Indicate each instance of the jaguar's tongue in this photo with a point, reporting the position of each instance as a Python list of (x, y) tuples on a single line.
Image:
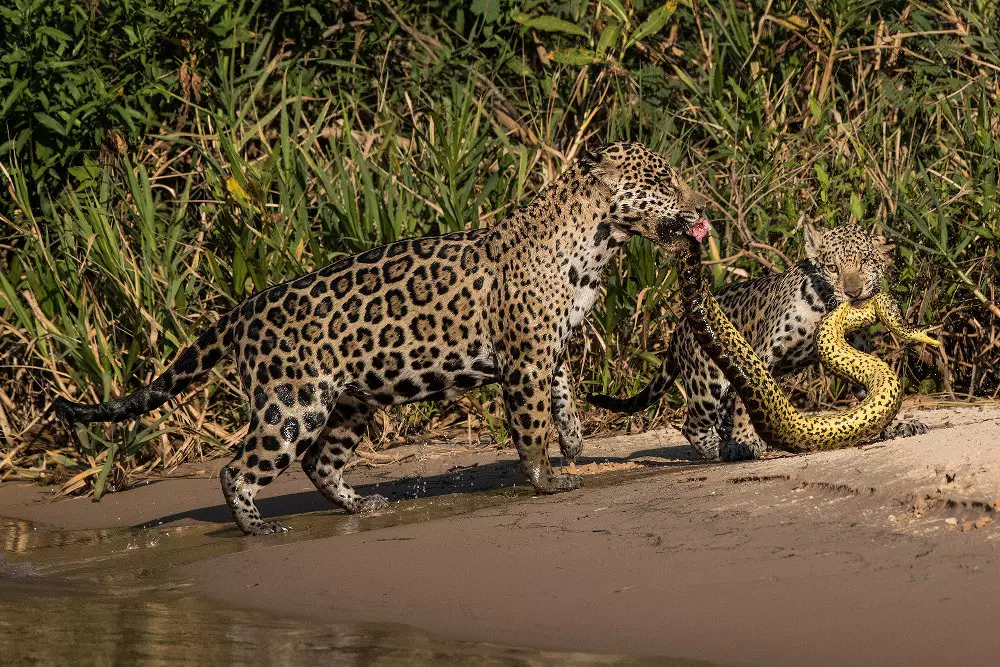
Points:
[(700, 229)]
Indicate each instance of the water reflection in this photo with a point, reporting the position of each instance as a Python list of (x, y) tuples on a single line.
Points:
[(123, 555), (107, 597), (66, 624)]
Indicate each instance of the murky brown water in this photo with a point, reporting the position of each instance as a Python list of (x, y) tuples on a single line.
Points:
[(107, 596), (43, 622)]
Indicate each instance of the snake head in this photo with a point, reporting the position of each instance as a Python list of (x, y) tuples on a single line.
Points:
[(923, 335)]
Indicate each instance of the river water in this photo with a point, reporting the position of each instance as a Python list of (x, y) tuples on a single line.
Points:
[(110, 597)]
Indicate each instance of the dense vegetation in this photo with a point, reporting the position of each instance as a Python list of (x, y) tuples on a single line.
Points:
[(165, 158)]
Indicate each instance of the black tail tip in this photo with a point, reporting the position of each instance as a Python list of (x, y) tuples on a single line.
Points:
[(612, 403), (600, 400)]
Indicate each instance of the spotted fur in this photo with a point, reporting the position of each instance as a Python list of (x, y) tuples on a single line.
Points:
[(772, 415), (425, 319), (779, 316)]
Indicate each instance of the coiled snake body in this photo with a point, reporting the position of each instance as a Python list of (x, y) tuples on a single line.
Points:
[(777, 422)]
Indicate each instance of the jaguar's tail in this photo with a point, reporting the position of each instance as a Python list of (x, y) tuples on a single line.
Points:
[(650, 394), (192, 364)]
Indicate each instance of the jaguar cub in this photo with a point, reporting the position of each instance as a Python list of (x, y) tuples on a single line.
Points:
[(778, 315), (425, 319)]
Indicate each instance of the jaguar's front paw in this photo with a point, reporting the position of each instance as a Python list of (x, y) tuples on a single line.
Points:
[(545, 481), (266, 528), (739, 450), (558, 483)]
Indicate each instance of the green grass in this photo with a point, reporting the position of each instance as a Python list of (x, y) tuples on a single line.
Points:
[(165, 159)]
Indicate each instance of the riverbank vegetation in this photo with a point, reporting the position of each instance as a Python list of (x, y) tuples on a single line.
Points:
[(162, 160)]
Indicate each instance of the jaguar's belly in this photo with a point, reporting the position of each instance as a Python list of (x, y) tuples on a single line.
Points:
[(428, 375)]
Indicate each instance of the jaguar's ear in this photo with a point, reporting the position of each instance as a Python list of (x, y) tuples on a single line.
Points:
[(812, 238), (600, 164), (884, 248)]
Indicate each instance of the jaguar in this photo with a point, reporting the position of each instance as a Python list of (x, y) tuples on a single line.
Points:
[(779, 316), (426, 319)]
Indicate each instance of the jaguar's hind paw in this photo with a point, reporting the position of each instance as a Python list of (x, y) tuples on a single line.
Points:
[(374, 504), (267, 528), (903, 428)]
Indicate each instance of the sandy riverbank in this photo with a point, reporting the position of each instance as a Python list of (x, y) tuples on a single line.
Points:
[(884, 554)]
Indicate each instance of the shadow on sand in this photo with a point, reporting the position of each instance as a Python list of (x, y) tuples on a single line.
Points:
[(463, 479)]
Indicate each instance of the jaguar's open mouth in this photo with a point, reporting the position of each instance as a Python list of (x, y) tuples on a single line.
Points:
[(699, 230)]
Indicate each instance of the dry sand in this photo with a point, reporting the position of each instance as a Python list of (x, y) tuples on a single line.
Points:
[(883, 554)]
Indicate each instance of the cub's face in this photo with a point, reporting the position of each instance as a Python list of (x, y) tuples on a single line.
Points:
[(648, 196), (850, 260)]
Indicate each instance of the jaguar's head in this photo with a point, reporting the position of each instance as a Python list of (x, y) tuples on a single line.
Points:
[(648, 196), (849, 259)]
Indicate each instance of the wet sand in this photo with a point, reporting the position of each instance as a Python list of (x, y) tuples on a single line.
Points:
[(883, 554)]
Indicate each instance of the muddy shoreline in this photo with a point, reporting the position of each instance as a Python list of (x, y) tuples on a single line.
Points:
[(886, 553)]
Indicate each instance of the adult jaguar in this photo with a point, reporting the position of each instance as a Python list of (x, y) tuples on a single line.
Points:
[(424, 319), (779, 315)]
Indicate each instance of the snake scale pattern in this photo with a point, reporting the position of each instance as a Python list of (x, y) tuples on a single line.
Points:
[(773, 416)]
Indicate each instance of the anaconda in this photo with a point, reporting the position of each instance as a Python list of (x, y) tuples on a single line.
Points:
[(773, 416)]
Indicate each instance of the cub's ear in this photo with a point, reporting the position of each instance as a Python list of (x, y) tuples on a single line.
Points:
[(884, 248), (813, 241)]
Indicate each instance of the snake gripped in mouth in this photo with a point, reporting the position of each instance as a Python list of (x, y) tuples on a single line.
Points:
[(774, 417)]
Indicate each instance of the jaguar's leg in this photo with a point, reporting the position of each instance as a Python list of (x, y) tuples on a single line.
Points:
[(701, 424), (742, 442), (284, 425), (527, 391), (564, 414), (324, 461)]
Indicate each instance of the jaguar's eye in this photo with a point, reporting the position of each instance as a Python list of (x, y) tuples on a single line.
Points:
[(833, 268)]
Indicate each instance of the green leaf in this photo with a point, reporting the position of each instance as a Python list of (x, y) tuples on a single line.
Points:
[(550, 24), (102, 477), (49, 122), (55, 34), (85, 174), (239, 271), (856, 209), (616, 8), (316, 16), (654, 22), (814, 107), (25, 318), (488, 9), (688, 81), (517, 65), (609, 36), (574, 56), (821, 174), (15, 93)]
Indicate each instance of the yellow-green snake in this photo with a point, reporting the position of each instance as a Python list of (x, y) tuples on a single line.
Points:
[(777, 422)]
